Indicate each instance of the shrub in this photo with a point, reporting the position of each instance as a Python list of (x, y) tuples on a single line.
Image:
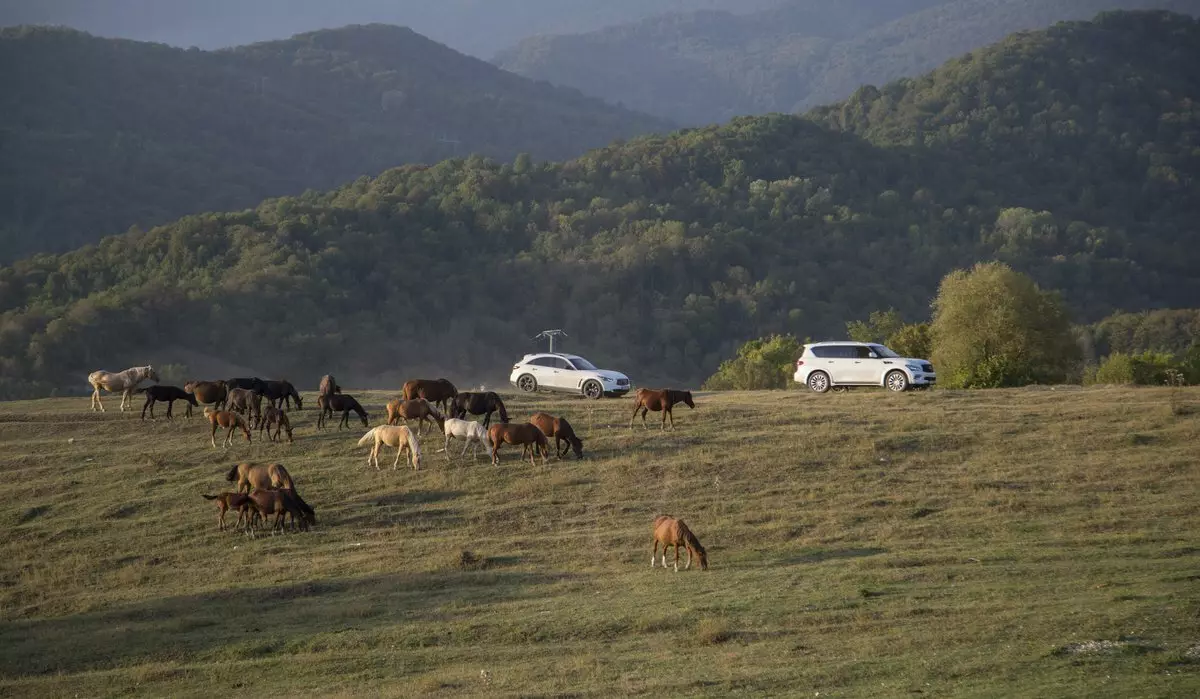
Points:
[(760, 364)]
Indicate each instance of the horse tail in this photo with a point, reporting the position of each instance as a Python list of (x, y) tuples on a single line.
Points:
[(233, 474), (368, 436), (209, 497)]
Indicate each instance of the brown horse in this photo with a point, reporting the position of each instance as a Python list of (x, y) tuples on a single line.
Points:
[(245, 401), (674, 532), (341, 403), (281, 394), (280, 503), (274, 417), (662, 399), (560, 430), (439, 391), (208, 392), (509, 433), (328, 386), (417, 409), (230, 501), (261, 476), (226, 419)]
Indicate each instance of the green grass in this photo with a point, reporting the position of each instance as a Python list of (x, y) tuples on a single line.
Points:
[(1027, 543)]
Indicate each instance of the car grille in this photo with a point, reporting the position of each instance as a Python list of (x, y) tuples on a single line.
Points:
[(927, 368), (622, 382)]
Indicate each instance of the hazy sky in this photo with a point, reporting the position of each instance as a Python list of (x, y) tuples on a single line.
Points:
[(477, 27)]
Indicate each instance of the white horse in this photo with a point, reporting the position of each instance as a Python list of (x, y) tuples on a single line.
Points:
[(397, 436), (124, 381), (467, 430)]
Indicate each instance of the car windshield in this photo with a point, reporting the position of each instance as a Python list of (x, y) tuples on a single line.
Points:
[(583, 364), (884, 352)]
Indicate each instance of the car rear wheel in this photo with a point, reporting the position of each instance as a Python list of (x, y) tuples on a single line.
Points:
[(527, 383), (896, 381), (593, 390), (818, 381)]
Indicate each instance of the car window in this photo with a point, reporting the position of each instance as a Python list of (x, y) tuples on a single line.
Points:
[(822, 352), (884, 352), (542, 361), (560, 363), (862, 352), (583, 364)]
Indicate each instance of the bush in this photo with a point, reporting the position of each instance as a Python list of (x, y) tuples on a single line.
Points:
[(1116, 368), (765, 363), (1145, 369)]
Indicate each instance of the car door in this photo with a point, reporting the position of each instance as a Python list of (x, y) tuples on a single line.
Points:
[(831, 359), (866, 367), (565, 375), (542, 370)]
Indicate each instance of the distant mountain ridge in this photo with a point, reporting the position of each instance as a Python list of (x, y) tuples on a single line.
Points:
[(101, 134), (706, 67)]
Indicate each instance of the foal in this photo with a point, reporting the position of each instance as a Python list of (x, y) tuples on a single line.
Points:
[(230, 501), (230, 420), (274, 417), (673, 532), (663, 399)]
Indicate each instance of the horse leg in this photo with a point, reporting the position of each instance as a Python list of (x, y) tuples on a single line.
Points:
[(676, 558), (636, 408), (644, 411), (689, 561), (666, 412), (170, 410), (96, 402), (374, 456), (654, 552), (495, 453), (148, 404), (213, 436), (396, 463)]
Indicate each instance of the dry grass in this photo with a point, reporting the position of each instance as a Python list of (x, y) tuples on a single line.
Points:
[(941, 544)]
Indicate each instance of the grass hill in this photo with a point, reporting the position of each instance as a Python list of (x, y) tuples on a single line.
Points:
[(705, 67), (966, 544), (101, 134), (662, 254)]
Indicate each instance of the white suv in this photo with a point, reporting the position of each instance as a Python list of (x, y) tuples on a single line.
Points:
[(569, 373), (825, 365)]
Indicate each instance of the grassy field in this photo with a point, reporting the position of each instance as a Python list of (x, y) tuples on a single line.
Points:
[(1028, 543)]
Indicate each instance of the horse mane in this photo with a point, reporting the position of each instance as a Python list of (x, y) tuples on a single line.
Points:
[(416, 449), (691, 539)]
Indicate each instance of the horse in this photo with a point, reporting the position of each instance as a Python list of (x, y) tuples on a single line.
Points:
[(274, 417), (328, 386), (466, 430), (342, 403), (674, 532), (123, 381), (280, 503), (281, 394), (438, 391), (208, 392), (561, 430), (417, 409), (267, 477), (246, 401), (230, 501), (663, 399), (167, 394), (225, 418), (504, 433), (478, 404), (398, 436), (254, 384)]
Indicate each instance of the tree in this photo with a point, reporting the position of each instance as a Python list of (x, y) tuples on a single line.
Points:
[(994, 327), (878, 327), (911, 340), (763, 363)]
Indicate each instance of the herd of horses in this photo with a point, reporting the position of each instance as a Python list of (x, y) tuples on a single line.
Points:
[(268, 490)]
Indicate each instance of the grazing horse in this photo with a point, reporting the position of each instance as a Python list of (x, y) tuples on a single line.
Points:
[(674, 532), (274, 417), (398, 436), (262, 476), (226, 419), (208, 392), (417, 409), (123, 381), (504, 433), (230, 501), (438, 391), (328, 386), (466, 430), (342, 403), (561, 430), (245, 401), (280, 503), (663, 399), (253, 384), (167, 394), (478, 404), (281, 394)]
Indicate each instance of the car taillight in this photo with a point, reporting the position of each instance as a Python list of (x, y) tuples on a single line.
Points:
[(799, 363)]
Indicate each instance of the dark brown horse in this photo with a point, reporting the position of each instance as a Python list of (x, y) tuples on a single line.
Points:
[(230, 501), (252, 384), (211, 393), (274, 417), (281, 394), (339, 403), (560, 430), (267, 477), (417, 409), (662, 399), (328, 386), (280, 503), (478, 404), (168, 394), (245, 401), (674, 532), (507, 433), (439, 391), (229, 420)]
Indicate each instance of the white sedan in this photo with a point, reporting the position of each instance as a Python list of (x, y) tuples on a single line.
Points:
[(568, 373)]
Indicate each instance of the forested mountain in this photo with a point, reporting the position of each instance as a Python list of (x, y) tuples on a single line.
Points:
[(97, 134), (705, 67), (474, 27), (1073, 154)]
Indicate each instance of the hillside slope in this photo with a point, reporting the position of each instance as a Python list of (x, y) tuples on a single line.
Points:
[(699, 68), (661, 254), (100, 134)]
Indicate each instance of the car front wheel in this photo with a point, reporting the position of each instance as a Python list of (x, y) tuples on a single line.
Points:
[(527, 383), (593, 390), (896, 381), (818, 381)]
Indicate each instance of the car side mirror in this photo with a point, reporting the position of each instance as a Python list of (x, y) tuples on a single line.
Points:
[(872, 355)]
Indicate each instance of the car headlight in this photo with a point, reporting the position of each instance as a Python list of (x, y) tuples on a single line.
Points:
[(914, 367), (609, 379)]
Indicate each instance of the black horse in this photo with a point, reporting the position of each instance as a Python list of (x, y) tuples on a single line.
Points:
[(341, 403), (281, 393), (255, 384), (478, 404), (168, 394)]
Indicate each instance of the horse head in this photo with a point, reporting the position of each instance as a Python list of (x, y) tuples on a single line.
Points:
[(686, 397), (577, 445), (703, 556), (151, 374)]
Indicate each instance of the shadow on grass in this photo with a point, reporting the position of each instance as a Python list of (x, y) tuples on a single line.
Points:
[(169, 628), (829, 555)]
